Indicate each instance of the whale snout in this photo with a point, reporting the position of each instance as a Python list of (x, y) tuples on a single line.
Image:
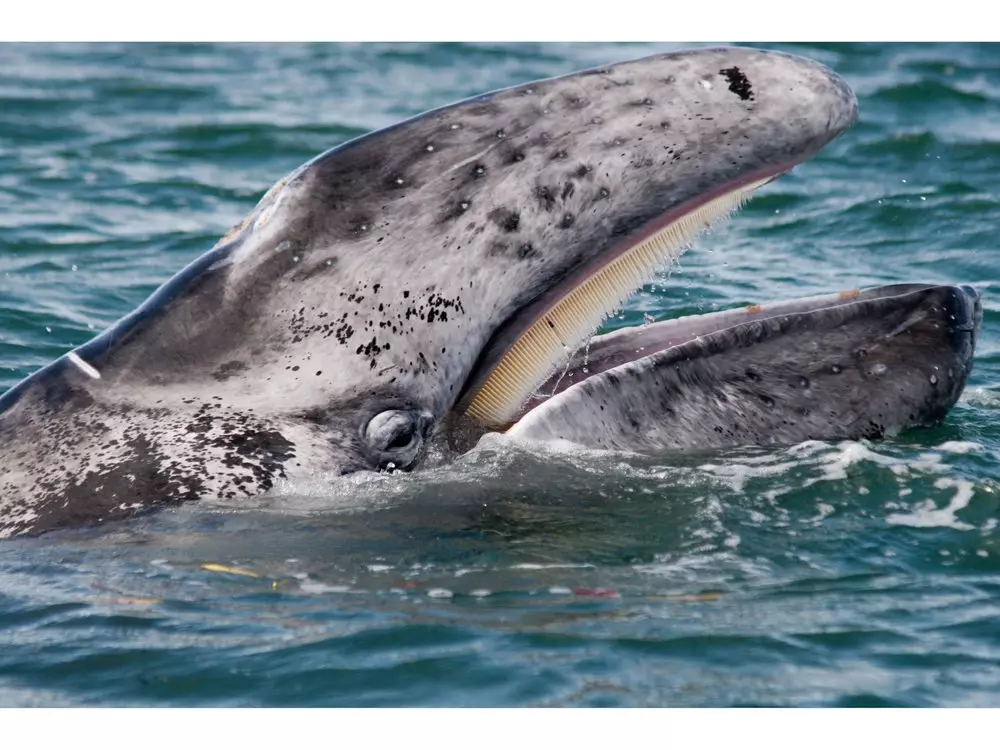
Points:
[(843, 101)]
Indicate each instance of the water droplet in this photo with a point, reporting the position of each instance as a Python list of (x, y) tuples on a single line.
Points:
[(73, 267), (454, 126), (803, 381), (429, 147), (879, 369), (933, 379), (399, 180), (836, 370), (48, 330)]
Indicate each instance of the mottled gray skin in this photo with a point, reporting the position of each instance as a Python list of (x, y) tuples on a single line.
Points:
[(825, 368), (334, 329)]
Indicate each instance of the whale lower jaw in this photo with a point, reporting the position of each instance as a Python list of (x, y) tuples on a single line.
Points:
[(847, 366)]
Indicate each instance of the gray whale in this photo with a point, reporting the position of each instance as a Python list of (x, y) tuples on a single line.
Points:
[(413, 288)]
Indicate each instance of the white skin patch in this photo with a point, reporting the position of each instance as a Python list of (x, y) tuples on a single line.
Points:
[(87, 369)]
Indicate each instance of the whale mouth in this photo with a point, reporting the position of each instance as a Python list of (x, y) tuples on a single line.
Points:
[(528, 348)]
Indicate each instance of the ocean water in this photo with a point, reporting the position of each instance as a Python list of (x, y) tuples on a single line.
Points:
[(822, 574)]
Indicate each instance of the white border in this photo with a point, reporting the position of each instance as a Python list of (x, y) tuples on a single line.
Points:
[(497, 20), (483, 729)]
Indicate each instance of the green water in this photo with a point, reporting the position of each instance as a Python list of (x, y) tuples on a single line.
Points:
[(821, 574)]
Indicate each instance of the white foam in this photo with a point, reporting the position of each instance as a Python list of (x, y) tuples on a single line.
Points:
[(928, 515), (980, 397), (960, 446)]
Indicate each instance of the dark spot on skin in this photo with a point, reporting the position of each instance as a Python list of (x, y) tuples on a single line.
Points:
[(526, 251), (753, 375), (583, 170), (559, 155), (478, 170), (568, 189), (454, 210), (602, 194), (739, 84), (507, 220), (516, 157), (545, 197), (360, 226), (501, 134), (567, 221), (228, 369)]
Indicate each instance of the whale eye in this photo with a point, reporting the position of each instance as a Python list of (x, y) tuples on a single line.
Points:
[(397, 436)]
